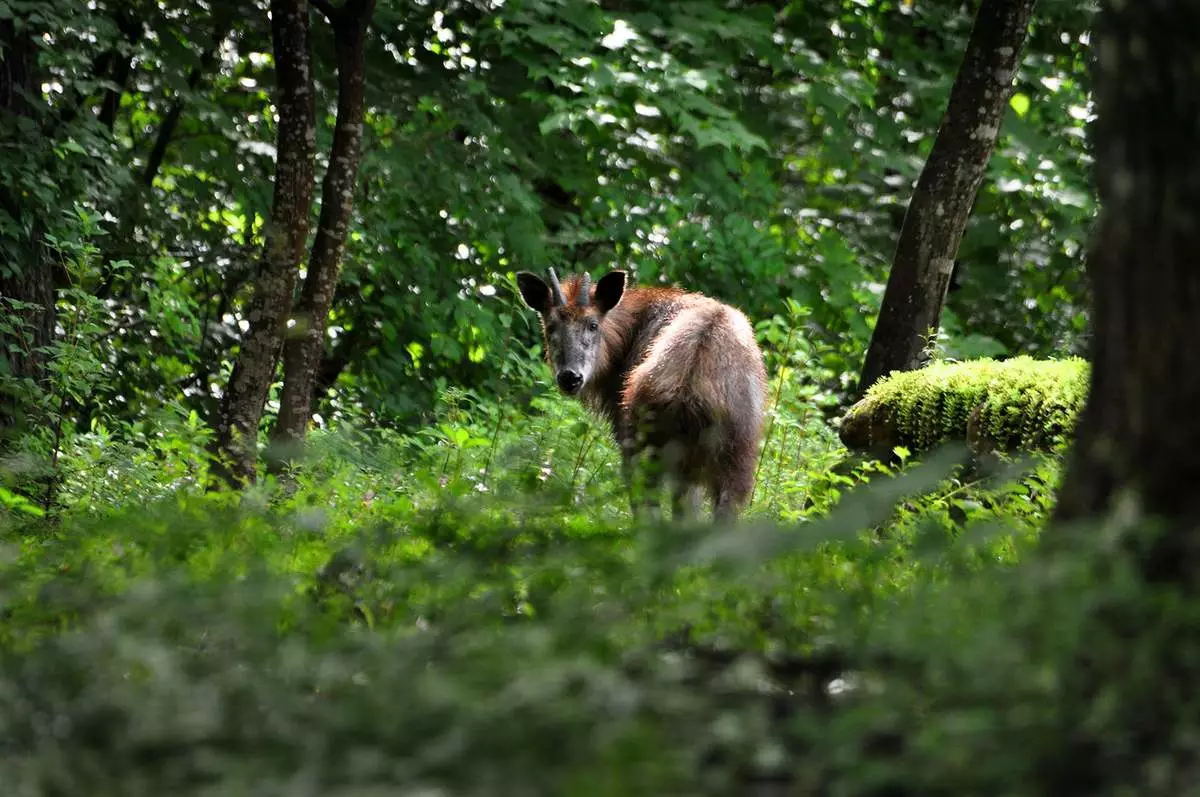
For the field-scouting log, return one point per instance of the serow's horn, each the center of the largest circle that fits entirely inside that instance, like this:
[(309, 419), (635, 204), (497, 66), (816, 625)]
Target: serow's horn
[(556, 289), (585, 286)]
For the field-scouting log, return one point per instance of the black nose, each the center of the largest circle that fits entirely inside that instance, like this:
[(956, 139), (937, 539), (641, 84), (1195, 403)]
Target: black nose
[(569, 381)]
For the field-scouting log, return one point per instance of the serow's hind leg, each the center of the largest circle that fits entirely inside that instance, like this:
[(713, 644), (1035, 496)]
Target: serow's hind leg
[(731, 497), (643, 479), (685, 501)]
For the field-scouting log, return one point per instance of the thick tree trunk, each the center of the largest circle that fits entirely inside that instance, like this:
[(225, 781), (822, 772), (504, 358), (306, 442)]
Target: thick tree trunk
[(1135, 459), (305, 342), (938, 211), (26, 275), (286, 235), (1139, 433)]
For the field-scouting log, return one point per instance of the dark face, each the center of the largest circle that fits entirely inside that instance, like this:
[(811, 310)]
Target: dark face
[(572, 346), (573, 329)]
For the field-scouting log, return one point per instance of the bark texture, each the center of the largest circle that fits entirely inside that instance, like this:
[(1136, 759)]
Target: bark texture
[(938, 211), (26, 275), (305, 343), (286, 235), (1135, 459), (1140, 430)]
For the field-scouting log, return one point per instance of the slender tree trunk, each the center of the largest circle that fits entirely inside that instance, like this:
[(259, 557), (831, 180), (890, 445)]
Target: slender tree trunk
[(1140, 428), (286, 235), (303, 349), (166, 130), (132, 30), (26, 275), (938, 211)]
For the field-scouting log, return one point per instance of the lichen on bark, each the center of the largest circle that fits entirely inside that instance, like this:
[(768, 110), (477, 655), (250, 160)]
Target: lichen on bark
[(304, 345), (286, 234)]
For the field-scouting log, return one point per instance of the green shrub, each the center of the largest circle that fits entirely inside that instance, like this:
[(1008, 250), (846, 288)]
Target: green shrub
[(1019, 404)]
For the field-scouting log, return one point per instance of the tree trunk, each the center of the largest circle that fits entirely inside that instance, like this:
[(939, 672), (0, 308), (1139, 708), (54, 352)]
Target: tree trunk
[(286, 235), (1139, 433), (132, 30), (26, 275), (1135, 456), (938, 211), (166, 130), (305, 342)]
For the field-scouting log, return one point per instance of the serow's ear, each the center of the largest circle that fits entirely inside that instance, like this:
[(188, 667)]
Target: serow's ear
[(535, 293), (609, 290)]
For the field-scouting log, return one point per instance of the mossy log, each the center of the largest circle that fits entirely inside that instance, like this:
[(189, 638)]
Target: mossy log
[(1020, 404)]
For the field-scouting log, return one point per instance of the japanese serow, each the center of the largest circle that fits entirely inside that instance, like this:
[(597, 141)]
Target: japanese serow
[(678, 375)]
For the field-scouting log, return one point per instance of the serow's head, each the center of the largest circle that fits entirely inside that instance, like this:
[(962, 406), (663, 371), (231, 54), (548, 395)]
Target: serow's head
[(572, 321)]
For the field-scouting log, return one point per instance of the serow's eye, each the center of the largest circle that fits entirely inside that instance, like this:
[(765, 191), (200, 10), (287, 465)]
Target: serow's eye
[(593, 325)]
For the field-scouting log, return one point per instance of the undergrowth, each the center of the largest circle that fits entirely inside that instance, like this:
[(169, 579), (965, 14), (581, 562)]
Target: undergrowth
[(393, 605)]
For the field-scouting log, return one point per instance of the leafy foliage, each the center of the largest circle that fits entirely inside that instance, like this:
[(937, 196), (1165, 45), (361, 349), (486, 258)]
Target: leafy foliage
[(757, 155), (195, 641)]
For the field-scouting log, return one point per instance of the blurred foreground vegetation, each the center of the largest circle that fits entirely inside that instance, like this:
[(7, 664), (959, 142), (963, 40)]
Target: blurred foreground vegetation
[(469, 610)]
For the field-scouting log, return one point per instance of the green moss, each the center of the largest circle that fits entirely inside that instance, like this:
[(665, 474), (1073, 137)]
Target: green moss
[(1017, 404)]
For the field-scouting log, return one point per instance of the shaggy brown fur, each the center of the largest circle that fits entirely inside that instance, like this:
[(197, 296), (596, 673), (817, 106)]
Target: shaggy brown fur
[(679, 376)]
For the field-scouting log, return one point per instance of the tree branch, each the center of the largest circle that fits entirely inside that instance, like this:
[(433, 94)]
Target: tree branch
[(171, 121), (133, 29), (131, 203)]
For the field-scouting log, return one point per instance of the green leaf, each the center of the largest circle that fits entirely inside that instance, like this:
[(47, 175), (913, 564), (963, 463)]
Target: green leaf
[(555, 121), (1020, 103)]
